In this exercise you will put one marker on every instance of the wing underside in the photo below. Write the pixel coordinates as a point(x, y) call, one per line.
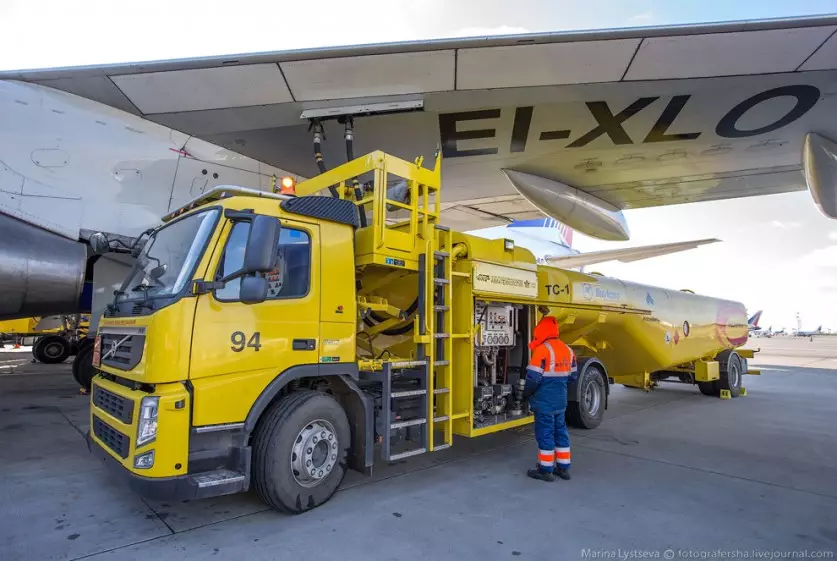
point(635, 118)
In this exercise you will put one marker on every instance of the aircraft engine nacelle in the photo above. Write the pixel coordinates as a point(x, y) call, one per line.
point(819, 164)
point(577, 209)
point(41, 273)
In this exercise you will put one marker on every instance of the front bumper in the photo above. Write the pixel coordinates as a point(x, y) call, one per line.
point(220, 467)
point(176, 488)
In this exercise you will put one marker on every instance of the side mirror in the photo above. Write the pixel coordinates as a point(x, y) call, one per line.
point(99, 243)
point(253, 290)
point(260, 252)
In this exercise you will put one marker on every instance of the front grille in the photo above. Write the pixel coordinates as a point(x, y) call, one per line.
point(111, 437)
point(121, 350)
point(119, 407)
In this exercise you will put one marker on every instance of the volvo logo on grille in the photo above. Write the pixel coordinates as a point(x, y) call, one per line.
point(114, 346)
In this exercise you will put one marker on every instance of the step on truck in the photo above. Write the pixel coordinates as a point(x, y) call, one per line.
point(273, 342)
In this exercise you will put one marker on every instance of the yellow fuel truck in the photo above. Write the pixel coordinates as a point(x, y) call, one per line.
point(273, 342)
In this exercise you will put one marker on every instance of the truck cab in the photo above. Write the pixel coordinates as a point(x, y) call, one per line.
point(228, 294)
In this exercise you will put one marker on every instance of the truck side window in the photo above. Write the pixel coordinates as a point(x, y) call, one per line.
point(292, 275)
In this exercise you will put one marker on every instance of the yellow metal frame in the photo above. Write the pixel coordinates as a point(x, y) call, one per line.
point(382, 242)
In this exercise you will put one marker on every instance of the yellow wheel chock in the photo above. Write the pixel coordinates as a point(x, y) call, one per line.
point(725, 394)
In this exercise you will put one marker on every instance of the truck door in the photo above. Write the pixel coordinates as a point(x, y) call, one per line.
point(237, 349)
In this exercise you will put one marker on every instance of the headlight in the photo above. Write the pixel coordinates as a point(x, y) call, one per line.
point(147, 429)
point(144, 461)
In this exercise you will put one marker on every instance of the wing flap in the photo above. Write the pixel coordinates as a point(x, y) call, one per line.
point(625, 255)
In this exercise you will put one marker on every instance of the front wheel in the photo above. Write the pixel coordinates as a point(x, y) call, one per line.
point(588, 411)
point(300, 450)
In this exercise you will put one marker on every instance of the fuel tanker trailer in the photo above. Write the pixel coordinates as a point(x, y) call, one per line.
point(273, 341)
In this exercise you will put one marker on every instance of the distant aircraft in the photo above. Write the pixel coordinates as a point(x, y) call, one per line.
point(753, 322)
point(551, 243)
point(801, 333)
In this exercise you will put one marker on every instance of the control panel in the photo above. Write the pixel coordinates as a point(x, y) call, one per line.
point(498, 323)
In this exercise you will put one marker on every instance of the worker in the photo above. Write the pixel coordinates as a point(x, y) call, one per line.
point(553, 363)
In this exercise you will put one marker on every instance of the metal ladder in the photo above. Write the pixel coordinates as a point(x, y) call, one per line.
point(437, 320)
point(394, 373)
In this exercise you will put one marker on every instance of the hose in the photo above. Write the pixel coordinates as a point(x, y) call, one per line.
point(318, 153)
point(350, 155)
point(376, 318)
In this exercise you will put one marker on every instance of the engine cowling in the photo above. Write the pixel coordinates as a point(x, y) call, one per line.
point(41, 273)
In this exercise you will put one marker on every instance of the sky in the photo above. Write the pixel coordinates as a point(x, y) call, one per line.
point(51, 33)
point(779, 253)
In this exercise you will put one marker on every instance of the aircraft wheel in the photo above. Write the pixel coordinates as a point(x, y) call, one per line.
point(83, 369)
point(35, 344)
point(52, 349)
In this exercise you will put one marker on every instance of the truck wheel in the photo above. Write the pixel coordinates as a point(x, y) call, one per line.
point(52, 349)
point(708, 388)
point(299, 451)
point(83, 370)
point(731, 378)
point(588, 412)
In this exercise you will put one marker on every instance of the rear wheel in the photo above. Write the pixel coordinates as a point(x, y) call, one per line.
point(51, 349)
point(588, 412)
point(83, 369)
point(731, 376)
point(300, 450)
point(708, 388)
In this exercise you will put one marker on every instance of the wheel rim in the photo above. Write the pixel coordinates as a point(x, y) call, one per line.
point(314, 453)
point(53, 350)
point(592, 398)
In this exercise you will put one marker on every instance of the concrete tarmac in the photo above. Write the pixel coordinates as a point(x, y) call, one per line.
point(669, 470)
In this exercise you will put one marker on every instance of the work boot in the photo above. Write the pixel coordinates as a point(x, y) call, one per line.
point(541, 475)
point(563, 474)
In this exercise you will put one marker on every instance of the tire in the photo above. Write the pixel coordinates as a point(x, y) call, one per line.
point(731, 375)
point(83, 369)
point(52, 349)
point(589, 411)
point(283, 436)
point(35, 345)
point(709, 388)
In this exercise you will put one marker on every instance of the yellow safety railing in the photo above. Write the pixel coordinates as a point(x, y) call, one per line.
point(423, 203)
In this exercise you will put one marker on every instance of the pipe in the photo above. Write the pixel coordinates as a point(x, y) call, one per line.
point(350, 155)
point(318, 152)
point(492, 362)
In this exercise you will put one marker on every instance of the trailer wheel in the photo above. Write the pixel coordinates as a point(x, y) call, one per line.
point(588, 411)
point(731, 376)
point(299, 451)
point(83, 369)
point(52, 349)
point(708, 388)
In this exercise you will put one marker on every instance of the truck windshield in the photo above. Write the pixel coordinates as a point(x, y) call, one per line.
point(169, 256)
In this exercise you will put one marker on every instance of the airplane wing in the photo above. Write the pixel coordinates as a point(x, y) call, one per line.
point(576, 125)
point(625, 255)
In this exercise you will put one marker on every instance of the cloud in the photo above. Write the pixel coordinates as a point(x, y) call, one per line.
point(785, 225)
point(490, 31)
